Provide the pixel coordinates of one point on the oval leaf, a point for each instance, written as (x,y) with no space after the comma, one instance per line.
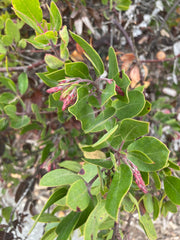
(172,188)
(119,187)
(23,83)
(90,53)
(58,177)
(148,154)
(67,225)
(95,219)
(78,197)
(53,62)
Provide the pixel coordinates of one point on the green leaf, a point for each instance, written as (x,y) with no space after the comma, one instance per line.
(55,17)
(131,109)
(128,130)
(172,188)
(156,208)
(35,110)
(48,81)
(58,177)
(67,225)
(23,83)
(105,163)
(2,48)
(100,120)
(12,30)
(38,45)
(101,141)
(56,75)
(95,219)
(8,83)
(108,92)
(156,179)
(90,53)
(50,234)
(171,207)
(46,151)
(7,40)
(58,194)
(173,165)
(29,11)
(53,62)
(77,197)
(29,127)
(148,154)
(46,218)
(119,187)
(128,205)
(146,109)
(148,202)
(19,122)
(148,226)
(3,123)
(113,65)
(85,214)
(46,37)
(7,97)
(71,165)
(81,110)
(22,43)
(77,69)
(64,52)
(10,110)
(6,213)
(123,5)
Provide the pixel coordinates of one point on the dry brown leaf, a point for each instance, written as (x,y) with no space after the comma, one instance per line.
(75,56)
(127,57)
(164,33)
(134,76)
(160,55)
(145,71)
(79,49)
(127,60)
(126,65)
(143,40)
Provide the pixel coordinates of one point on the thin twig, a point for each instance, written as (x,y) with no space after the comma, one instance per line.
(29,114)
(160,60)
(171,10)
(22,68)
(128,39)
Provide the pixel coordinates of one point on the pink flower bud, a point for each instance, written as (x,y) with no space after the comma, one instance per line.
(54,89)
(138,179)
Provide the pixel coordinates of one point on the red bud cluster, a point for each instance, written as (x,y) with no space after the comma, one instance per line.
(118,89)
(138,179)
(68,97)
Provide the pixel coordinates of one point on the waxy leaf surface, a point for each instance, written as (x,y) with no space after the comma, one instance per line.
(119,187)
(148,154)
(90,53)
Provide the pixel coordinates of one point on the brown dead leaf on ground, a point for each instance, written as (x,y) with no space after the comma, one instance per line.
(134,76)
(160,55)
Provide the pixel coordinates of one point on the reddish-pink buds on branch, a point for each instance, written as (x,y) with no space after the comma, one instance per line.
(138,179)
(68,96)
(118,89)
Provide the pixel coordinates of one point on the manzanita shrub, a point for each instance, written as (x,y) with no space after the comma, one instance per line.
(122,168)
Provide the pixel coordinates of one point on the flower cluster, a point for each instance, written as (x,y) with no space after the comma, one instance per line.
(138,179)
(68,95)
